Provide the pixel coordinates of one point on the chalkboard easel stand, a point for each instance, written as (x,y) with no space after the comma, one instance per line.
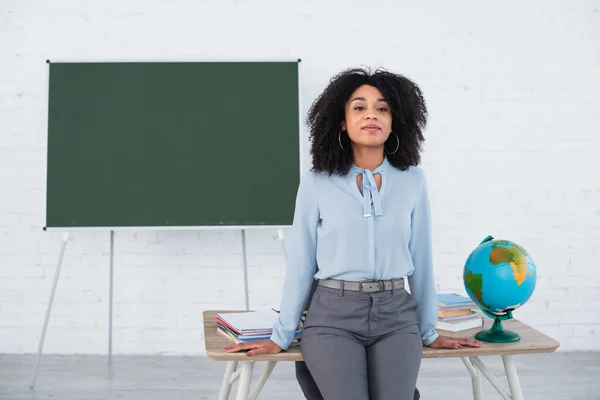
(63,248)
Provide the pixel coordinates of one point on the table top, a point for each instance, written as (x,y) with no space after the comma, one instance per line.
(532,341)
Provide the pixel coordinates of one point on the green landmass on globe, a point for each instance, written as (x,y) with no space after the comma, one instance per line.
(474,282)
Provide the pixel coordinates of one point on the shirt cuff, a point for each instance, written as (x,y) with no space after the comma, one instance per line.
(430,337)
(280,341)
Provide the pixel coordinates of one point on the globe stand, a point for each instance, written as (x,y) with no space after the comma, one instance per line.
(497,334)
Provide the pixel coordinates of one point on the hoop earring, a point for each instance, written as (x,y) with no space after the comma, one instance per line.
(340,140)
(397,144)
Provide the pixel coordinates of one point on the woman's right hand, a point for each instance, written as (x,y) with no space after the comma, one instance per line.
(257,347)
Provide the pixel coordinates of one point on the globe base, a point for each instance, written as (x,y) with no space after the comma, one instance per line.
(497,334)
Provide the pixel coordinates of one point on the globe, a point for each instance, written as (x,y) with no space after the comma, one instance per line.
(499,276)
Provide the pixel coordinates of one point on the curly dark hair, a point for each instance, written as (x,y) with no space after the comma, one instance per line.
(409,117)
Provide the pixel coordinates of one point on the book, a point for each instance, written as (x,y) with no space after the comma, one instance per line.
(243,327)
(253,321)
(472,314)
(249,337)
(461,324)
(243,338)
(449,301)
(453,312)
(237,340)
(228,335)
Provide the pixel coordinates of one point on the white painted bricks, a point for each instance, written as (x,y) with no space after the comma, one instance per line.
(511,151)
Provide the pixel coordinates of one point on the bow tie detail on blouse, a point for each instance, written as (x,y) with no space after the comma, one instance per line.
(371,196)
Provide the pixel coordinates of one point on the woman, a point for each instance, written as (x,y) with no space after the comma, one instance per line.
(362,215)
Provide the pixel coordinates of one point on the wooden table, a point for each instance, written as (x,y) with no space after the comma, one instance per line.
(532,341)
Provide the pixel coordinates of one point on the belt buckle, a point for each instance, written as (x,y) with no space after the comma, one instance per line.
(379,282)
(360,286)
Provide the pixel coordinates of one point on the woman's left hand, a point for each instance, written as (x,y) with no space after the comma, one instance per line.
(447,342)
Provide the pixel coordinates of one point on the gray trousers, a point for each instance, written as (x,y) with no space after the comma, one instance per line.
(309,386)
(361,346)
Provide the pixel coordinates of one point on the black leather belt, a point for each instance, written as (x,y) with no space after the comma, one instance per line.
(364,286)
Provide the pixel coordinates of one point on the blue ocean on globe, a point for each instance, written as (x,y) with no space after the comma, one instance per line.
(499,276)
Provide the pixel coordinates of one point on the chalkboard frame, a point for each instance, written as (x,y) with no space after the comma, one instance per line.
(301,148)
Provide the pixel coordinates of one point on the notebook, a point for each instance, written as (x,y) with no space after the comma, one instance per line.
(244,322)
(453,300)
(460,325)
(472,314)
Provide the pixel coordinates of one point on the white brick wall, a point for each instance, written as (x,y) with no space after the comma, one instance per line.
(513,94)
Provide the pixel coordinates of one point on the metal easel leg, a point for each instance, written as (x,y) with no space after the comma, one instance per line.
(49,308)
(513,377)
(281,238)
(110,296)
(245,269)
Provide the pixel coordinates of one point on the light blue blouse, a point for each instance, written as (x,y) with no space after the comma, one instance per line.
(383,234)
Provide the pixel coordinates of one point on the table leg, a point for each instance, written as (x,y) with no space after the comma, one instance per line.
(262,380)
(245,380)
(475,378)
(226,384)
(513,377)
(491,378)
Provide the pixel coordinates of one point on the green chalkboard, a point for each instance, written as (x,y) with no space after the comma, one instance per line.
(172,144)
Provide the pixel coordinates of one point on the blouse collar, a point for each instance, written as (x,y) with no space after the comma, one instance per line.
(382,167)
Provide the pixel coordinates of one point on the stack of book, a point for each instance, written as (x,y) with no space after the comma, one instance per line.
(246,327)
(457,313)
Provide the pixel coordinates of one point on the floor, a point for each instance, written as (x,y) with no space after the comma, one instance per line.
(545,376)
